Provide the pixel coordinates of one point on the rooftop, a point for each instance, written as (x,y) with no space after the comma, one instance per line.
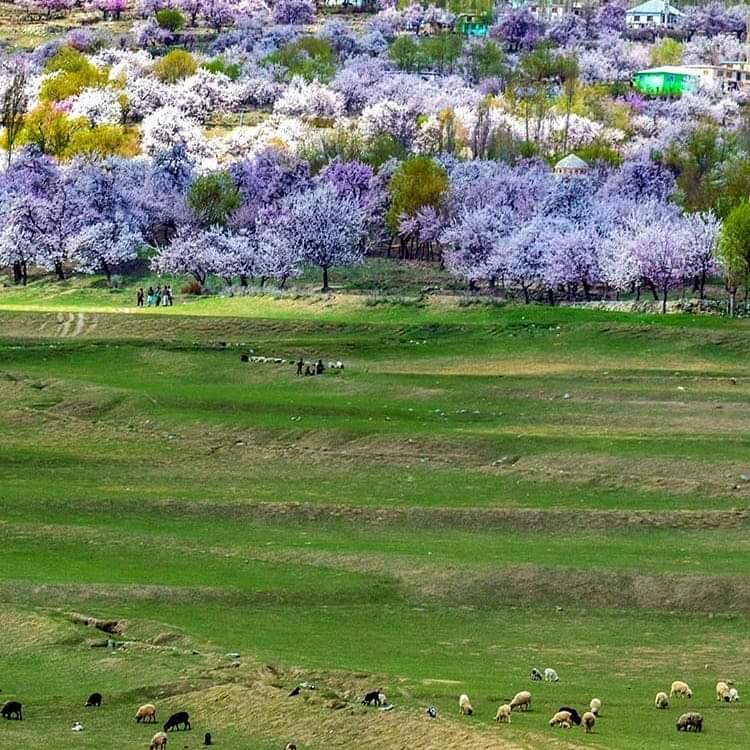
(653,7)
(571,161)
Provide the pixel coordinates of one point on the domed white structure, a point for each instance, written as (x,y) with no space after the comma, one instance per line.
(571,165)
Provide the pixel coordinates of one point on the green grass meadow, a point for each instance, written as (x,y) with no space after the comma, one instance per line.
(483,489)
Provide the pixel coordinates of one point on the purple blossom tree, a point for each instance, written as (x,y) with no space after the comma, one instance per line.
(294,12)
(701,232)
(109,216)
(194,252)
(518,28)
(322,228)
(566,30)
(610,18)
(712,19)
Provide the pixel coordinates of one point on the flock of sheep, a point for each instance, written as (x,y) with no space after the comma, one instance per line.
(563,718)
(566,716)
(146,714)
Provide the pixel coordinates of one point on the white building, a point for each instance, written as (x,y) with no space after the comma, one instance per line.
(653,13)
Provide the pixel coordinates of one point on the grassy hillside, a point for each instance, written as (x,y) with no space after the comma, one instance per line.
(481,490)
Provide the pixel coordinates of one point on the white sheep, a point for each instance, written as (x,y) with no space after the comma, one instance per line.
(722,691)
(734,695)
(561,719)
(662,700)
(680,689)
(587,721)
(158,741)
(595,706)
(503,713)
(521,700)
(146,713)
(550,675)
(77,727)
(464,705)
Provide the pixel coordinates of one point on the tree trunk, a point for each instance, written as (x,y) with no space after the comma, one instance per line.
(325,288)
(59,270)
(664,300)
(526,297)
(551,297)
(17,275)
(732,302)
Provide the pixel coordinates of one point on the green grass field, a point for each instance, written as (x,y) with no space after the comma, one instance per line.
(481,490)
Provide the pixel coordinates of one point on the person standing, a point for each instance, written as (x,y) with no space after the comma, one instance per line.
(150,297)
(300,365)
(157,296)
(139,298)
(319,368)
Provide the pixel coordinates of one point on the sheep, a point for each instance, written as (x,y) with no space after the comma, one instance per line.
(77,727)
(662,700)
(146,713)
(575,717)
(536,675)
(503,713)
(464,705)
(207,740)
(733,696)
(722,691)
(374,698)
(560,719)
(175,721)
(521,700)
(680,689)
(158,741)
(550,675)
(290,746)
(595,706)
(588,720)
(690,722)
(12,709)
(95,700)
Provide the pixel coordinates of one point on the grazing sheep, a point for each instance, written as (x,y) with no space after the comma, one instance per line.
(521,700)
(536,675)
(560,719)
(158,741)
(77,727)
(680,689)
(575,717)
(722,691)
(12,709)
(464,705)
(588,720)
(733,696)
(550,675)
(690,722)
(662,700)
(595,706)
(95,699)
(146,713)
(373,698)
(175,721)
(503,713)
(207,741)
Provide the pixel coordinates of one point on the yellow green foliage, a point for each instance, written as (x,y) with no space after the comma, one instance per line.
(666,52)
(103,140)
(418,182)
(174,66)
(50,129)
(69,73)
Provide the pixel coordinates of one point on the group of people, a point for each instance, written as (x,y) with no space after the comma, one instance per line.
(316,369)
(155,297)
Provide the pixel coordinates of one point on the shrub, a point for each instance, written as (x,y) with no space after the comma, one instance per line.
(174,66)
(192,287)
(218,65)
(170,19)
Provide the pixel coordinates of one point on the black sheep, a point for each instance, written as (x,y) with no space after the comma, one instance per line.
(181,718)
(12,709)
(574,717)
(95,699)
(207,739)
(372,698)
